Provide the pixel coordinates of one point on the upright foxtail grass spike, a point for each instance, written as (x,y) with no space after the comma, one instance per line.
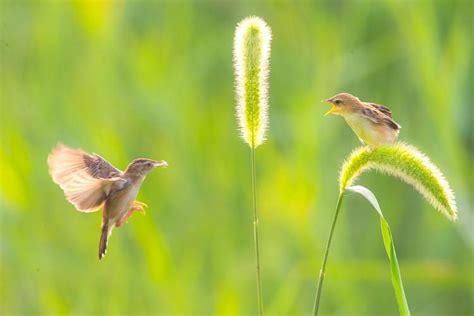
(251,64)
(408,164)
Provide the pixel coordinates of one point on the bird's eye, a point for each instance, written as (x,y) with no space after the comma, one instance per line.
(338,102)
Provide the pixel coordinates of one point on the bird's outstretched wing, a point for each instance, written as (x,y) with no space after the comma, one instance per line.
(85,179)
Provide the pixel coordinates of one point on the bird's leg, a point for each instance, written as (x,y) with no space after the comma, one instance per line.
(124,218)
(136,207)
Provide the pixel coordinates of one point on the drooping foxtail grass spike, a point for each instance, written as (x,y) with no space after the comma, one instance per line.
(251,64)
(411,166)
(408,164)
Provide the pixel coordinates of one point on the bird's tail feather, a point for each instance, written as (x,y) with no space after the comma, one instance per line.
(103,240)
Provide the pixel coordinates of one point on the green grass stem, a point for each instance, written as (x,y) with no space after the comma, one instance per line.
(326,253)
(255,232)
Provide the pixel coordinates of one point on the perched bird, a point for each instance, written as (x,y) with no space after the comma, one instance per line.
(371,122)
(89,182)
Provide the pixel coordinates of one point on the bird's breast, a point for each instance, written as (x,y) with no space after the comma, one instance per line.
(120,203)
(358,124)
(369,132)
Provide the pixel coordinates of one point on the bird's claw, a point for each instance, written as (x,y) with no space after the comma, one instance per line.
(139,207)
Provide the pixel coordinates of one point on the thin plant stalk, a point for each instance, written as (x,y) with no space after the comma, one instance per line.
(325,259)
(251,64)
(255,232)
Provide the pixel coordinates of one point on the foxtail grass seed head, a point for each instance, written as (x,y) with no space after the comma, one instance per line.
(251,65)
(406,163)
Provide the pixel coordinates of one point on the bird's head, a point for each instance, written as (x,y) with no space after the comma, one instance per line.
(142,166)
(342,103)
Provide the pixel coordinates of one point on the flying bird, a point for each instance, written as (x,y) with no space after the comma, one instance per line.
(371,122)
(90,182)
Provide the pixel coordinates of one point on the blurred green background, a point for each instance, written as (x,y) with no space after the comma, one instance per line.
(155,79)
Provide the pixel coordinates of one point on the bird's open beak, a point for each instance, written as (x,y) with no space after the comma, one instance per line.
(161,163)
(333,108)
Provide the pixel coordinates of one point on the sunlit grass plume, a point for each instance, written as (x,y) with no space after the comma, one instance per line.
(406,163)
(251,64)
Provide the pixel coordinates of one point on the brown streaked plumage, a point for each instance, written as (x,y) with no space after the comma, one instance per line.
(371,122)
(89,182)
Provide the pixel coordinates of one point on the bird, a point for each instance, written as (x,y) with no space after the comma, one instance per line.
(91,183)
(371,122)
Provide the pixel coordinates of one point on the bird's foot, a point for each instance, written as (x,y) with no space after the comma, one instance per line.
(139,207)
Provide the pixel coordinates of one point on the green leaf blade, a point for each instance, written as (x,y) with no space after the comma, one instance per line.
(389,248)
